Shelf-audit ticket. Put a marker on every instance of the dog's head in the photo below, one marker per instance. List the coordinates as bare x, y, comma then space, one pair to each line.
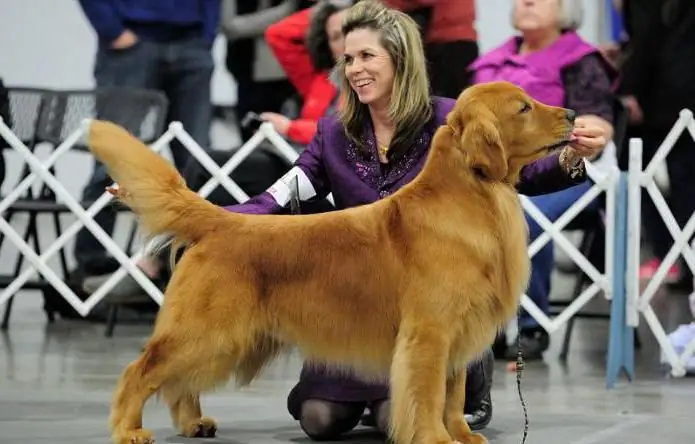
501, 129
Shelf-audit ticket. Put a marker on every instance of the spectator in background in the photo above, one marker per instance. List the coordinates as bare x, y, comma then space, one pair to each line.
657, 75
260, 80
163, 45
448, 29
307, 45
557, 67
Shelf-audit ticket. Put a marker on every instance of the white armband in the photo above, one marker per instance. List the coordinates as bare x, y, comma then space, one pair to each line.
282, 192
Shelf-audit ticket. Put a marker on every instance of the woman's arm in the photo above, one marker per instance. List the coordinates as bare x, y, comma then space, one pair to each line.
235, 26
311, 177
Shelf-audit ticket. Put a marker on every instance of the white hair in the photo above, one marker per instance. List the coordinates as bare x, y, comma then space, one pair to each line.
570, 16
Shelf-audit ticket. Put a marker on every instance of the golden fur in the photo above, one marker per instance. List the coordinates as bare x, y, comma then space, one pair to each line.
412, 287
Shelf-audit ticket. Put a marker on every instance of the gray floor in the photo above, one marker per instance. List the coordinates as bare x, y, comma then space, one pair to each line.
56, 382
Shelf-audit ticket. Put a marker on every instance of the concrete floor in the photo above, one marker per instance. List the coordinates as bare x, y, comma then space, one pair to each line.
56, 382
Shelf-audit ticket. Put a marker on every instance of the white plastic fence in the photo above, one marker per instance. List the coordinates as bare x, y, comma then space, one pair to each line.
603, 182
640, 302
85, 217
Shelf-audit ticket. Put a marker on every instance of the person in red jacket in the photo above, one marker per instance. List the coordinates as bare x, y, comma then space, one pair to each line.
307, 45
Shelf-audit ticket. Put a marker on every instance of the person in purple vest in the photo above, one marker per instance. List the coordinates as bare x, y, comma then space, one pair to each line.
555, 66
375, 144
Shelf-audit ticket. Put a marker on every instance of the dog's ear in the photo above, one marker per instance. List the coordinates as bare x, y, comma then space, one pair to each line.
481, 139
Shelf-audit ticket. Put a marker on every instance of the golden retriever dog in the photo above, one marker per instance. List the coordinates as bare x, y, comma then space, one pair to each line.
411, 287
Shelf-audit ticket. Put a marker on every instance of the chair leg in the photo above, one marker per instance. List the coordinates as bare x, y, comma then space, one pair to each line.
566, 341
585, 248
111, 320
30, 230
61, 252
47, 304
6, 315
8, 218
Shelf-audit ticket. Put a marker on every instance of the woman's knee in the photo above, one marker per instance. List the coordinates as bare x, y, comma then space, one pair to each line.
381, 411
325, 420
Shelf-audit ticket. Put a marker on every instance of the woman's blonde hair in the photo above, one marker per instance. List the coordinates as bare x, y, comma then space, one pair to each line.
410, 106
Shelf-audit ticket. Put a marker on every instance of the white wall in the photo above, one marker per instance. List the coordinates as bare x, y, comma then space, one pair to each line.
49, 43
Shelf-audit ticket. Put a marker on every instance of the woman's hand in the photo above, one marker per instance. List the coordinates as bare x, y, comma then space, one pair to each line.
279, 122
590, 136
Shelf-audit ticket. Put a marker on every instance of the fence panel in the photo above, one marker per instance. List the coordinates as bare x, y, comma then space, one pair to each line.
610, 281
85, 218
640, 302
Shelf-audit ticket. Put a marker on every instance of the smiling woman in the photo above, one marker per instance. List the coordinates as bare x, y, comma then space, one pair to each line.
377, 73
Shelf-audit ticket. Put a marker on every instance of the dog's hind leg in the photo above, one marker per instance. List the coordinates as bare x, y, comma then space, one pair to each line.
140, 380
418, 376
453, 411
252, 362
186, 413
175, 364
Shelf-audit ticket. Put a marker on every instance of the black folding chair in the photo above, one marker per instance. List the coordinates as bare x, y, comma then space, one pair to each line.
47, 117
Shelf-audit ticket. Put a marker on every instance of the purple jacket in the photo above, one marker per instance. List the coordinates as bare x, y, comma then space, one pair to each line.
539, 73
333, 164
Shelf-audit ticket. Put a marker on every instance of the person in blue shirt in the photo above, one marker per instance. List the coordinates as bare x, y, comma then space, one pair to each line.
163, 45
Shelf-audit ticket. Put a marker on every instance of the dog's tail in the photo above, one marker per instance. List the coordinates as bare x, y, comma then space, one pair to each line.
150, 186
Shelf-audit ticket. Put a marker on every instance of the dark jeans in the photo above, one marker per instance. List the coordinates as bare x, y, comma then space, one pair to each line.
182, 70
681, 198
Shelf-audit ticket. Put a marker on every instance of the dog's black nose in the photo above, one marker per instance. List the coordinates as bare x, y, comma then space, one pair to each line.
570, 115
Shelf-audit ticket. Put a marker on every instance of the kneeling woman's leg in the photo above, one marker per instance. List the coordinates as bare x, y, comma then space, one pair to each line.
328, 403
324, 420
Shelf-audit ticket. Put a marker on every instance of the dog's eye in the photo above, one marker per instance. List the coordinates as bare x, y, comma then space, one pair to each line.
525, 108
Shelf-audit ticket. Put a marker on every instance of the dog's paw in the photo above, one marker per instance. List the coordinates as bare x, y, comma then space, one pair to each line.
137, 436
200, 428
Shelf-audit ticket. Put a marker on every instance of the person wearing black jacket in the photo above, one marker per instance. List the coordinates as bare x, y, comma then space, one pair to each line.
657, 82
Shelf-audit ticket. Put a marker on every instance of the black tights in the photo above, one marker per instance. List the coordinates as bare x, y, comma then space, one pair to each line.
326, 420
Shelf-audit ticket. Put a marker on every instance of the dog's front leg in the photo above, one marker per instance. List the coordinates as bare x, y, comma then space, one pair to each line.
418, 386
455, 400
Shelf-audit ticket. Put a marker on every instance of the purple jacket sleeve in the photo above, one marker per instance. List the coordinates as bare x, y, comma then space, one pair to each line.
545, 176
310, 162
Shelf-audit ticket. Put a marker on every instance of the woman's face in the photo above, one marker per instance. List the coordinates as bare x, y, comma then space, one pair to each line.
534, 15
368, 67
334, 33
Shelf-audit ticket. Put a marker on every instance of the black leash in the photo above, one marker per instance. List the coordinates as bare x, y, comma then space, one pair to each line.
519, 371
295, 206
